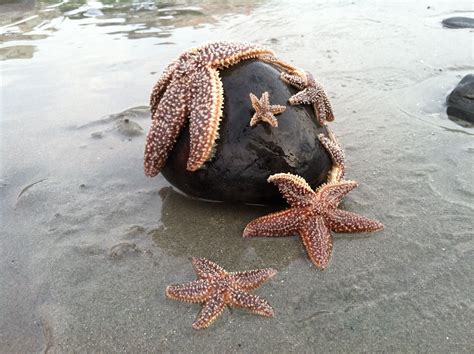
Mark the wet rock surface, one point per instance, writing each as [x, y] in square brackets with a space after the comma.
[245, 156]
[461, 100]
[458, 22]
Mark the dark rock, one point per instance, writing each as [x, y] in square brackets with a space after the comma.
[245, 156]
[461, 100]
[458, 22]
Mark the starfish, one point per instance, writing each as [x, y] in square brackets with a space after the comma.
[190, 87]
[217, 288]
[336, 153]
[264, 112]
[312, 215]
[311, 93]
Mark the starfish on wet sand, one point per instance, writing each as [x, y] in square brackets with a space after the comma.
[190, 87]
[264, 111]
[217, 288]
[311, 93]
[312, 215]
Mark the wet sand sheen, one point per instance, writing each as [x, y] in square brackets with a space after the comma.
[87, 252]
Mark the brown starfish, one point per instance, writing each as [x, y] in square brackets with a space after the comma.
[191, 87]
[216, 289]
[312, 93]
[337, 155]
[312, 215]
[264, 112]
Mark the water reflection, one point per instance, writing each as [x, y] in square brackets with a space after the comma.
[24, 20]
[214, 230]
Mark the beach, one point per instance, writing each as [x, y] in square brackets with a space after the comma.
[88, 243]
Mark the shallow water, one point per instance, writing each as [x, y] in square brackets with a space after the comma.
[86, 253]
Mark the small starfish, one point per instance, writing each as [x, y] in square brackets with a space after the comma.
[216, 289]
[264, 112]
[312, 215]
[312, 93]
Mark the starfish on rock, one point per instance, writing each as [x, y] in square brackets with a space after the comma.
[337, 156]
[311, 93]
[312, 215]
[264, 112]
[191, 87]
[217, 288]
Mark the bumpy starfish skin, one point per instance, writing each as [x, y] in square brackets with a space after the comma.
[191, 87]
[217, 288]
[312, 93]
[337, 155]
[264, 111]
[289, 68]
[312, 215]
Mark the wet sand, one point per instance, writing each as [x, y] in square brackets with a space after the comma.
[86, 253]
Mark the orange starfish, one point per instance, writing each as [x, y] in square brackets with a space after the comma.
[264, 111]
[313, 214]
[216, 289]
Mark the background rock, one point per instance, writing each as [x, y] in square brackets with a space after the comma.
[458, 22]
[461, 100]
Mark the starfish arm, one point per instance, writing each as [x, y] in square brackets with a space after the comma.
[222, 54]
[335, 151]
[209, 312]
[282, 223]
[323, 109]
[270, 119]
[161, 85]
[195, 291]
[255, 102]
[205, 116]
[321, 101]
[277, 109]
[346, 221]
[206, 269]
[166, 125]
[272, 59]
[251, 279]
[255, 119]
[332, 193]
[251, 302]
[297, 81]
[302, 97]
[337, 156]
[294, 188]
[317, 241]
